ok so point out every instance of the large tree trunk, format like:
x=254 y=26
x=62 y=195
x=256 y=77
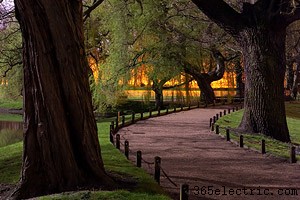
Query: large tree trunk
x=157 y=87
x=61 y=147
x=264 y=59
x=204 y=80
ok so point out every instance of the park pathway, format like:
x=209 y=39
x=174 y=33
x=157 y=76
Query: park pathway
x=212 y=167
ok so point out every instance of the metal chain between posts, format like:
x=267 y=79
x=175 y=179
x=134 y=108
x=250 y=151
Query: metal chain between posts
x=166 y=175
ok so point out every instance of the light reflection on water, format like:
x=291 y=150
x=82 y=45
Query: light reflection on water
x=174 y=94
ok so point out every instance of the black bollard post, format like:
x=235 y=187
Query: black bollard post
x=263 y=146
x=132 y=117
x=167 y=111
x=214 y=119
x=126 y=149
x=227 y=135
x=213 y=127
x=150 y=112
x=111 y=136
x=117 y=123
x=184 y=192
x=157 y=169
x=113 y=125
x=241 y=141
x=221 y=114
x=217 y=129
x=142 y=115
x=139 y=159
x=228 y=110
x=118 y=141
x=210 y=122
x=217 y=116
x=224 y=112
x=123 y=120
x=293 y=155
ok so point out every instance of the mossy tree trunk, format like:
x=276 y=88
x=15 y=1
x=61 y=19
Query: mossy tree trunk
x=61 y=147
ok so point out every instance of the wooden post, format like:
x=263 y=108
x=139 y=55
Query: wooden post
x=227 y=135
x=210 y=122
x=241 y=141
x=213 y=127
x=139 y=159
x=293 y=158
x=113 y=125
x=127 y=149
x=118 y=141
x=184 y=192
x=217 y=129
x=142 y=115
x=123 y=120
x=157 y=161
x=224 y=112
x=132 y=117
x=117 y=123
x=263 y=146
x=111 y=136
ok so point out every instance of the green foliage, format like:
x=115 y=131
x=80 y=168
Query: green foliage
x=10 y=62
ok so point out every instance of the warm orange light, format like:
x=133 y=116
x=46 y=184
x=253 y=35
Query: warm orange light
x=94 y=67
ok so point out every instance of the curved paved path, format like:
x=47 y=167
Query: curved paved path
x=192 y=154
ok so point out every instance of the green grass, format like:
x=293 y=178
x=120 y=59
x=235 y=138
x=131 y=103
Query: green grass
x=274 y=147
x=114 y=161
x=10 y=117
x=8 y=137
x=14 y=104
x=105 y=195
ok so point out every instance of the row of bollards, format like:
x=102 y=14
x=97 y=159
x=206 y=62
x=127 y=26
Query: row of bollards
x=293 y=158
x=216 y=129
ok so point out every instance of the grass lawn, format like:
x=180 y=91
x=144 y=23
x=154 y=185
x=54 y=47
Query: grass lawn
x=14 y=104
x=114 y=161
x=275 y=147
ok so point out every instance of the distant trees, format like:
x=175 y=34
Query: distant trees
x=10 y=54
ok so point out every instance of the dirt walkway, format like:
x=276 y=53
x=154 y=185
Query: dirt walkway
x=213 y=168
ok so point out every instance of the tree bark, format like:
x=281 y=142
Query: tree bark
x=260 y=28
x=61 y=147
x=157 y=87
x=264 y=59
